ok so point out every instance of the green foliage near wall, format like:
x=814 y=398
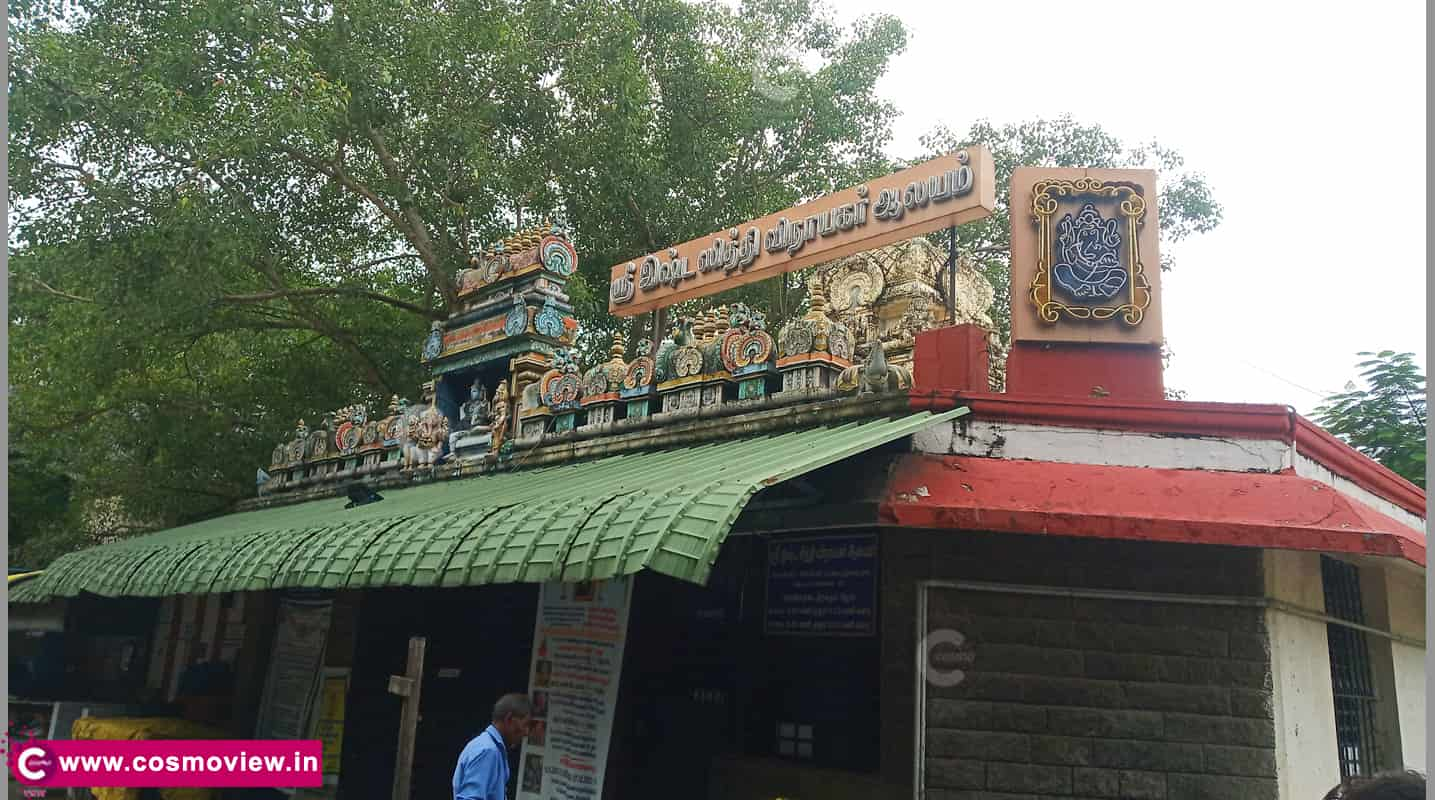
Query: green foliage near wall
x=1386 y=419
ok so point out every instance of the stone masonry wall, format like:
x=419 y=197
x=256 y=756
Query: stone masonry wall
x=1071 y=697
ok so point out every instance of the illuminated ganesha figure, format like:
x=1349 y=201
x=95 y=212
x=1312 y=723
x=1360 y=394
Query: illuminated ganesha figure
x=1088 y=255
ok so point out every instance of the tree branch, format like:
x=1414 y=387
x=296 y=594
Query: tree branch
x=337 y=173
x=50 y=290
x=320 y=291
x=405 y=219
x=384 y=260
x=68 y=423
x=642 y=220
x=416 y=229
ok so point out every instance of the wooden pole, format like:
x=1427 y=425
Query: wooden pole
x=660 y=318
x=952 y=275
x=408 y=686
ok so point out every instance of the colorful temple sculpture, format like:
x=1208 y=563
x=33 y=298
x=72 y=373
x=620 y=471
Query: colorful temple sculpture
x=551 y=404
x=603 y=386
x=721 y=356
x=347 y=444
x=639 y=388
x=813 y=350
x=505 y=371
x=515 y=317
x=426 y=431
x=892 y=293
x=473 y=430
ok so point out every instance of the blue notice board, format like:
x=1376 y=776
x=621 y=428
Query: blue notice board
x=822 y=586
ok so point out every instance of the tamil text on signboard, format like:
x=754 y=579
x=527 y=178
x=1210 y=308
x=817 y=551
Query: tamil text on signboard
x=945 y=191
x=577 y=658
x=822 y=587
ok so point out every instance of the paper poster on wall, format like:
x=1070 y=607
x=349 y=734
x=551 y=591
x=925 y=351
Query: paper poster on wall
x=328 y=724
x=299 y=638
x=578 y=640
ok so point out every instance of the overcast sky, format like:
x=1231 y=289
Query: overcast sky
x=1308 y=120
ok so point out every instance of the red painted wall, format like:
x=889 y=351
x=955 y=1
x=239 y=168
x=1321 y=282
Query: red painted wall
x=1060 y=369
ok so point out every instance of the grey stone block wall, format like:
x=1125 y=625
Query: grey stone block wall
x=1085 y=698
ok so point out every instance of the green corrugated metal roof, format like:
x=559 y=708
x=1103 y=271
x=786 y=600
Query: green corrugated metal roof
x=18 y=583
x=666 y=510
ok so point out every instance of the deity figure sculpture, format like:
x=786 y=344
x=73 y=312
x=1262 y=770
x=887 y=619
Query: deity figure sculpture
x=474 y=413
x=427 y=430
x=499 y=415
x=875 y=375
x=433 y=345
x=473 y=416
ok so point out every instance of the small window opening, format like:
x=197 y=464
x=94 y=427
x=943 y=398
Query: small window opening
x=1350 y=672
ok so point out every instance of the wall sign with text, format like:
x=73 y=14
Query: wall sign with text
x=822 y=586
x=946 y=191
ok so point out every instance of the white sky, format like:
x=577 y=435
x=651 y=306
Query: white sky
x=1308 y=120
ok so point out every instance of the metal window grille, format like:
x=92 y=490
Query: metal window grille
x=1350 y=672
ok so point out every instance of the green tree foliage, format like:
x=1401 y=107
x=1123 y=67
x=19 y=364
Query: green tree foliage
x=1386 y=419
x=1187 y=202
x=229 y=215
x=42 y=514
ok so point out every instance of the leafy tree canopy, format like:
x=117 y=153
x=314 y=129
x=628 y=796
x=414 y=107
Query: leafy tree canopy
x=229 y=215
x=1386 y=419
x=41 y=511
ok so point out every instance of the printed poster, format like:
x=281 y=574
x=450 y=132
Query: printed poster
x=289 y=690
x=328 y=724
x=578 y=642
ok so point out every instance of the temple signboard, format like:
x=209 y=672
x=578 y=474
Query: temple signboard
x=1084 y=260
x=946 y=191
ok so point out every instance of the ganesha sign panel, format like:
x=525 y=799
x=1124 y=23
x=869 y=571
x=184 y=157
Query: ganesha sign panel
x=945 y=191
x=1085 y=266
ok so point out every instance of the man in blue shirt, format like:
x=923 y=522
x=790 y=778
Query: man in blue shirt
x=482 y=771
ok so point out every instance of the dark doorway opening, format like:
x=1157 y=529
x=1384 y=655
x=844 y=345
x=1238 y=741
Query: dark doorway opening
x=479 y=642
x=705 y=689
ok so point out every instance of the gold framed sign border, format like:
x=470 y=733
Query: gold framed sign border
x=1133 y=208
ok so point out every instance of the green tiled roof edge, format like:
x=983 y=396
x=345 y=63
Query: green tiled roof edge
x=665 y=510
